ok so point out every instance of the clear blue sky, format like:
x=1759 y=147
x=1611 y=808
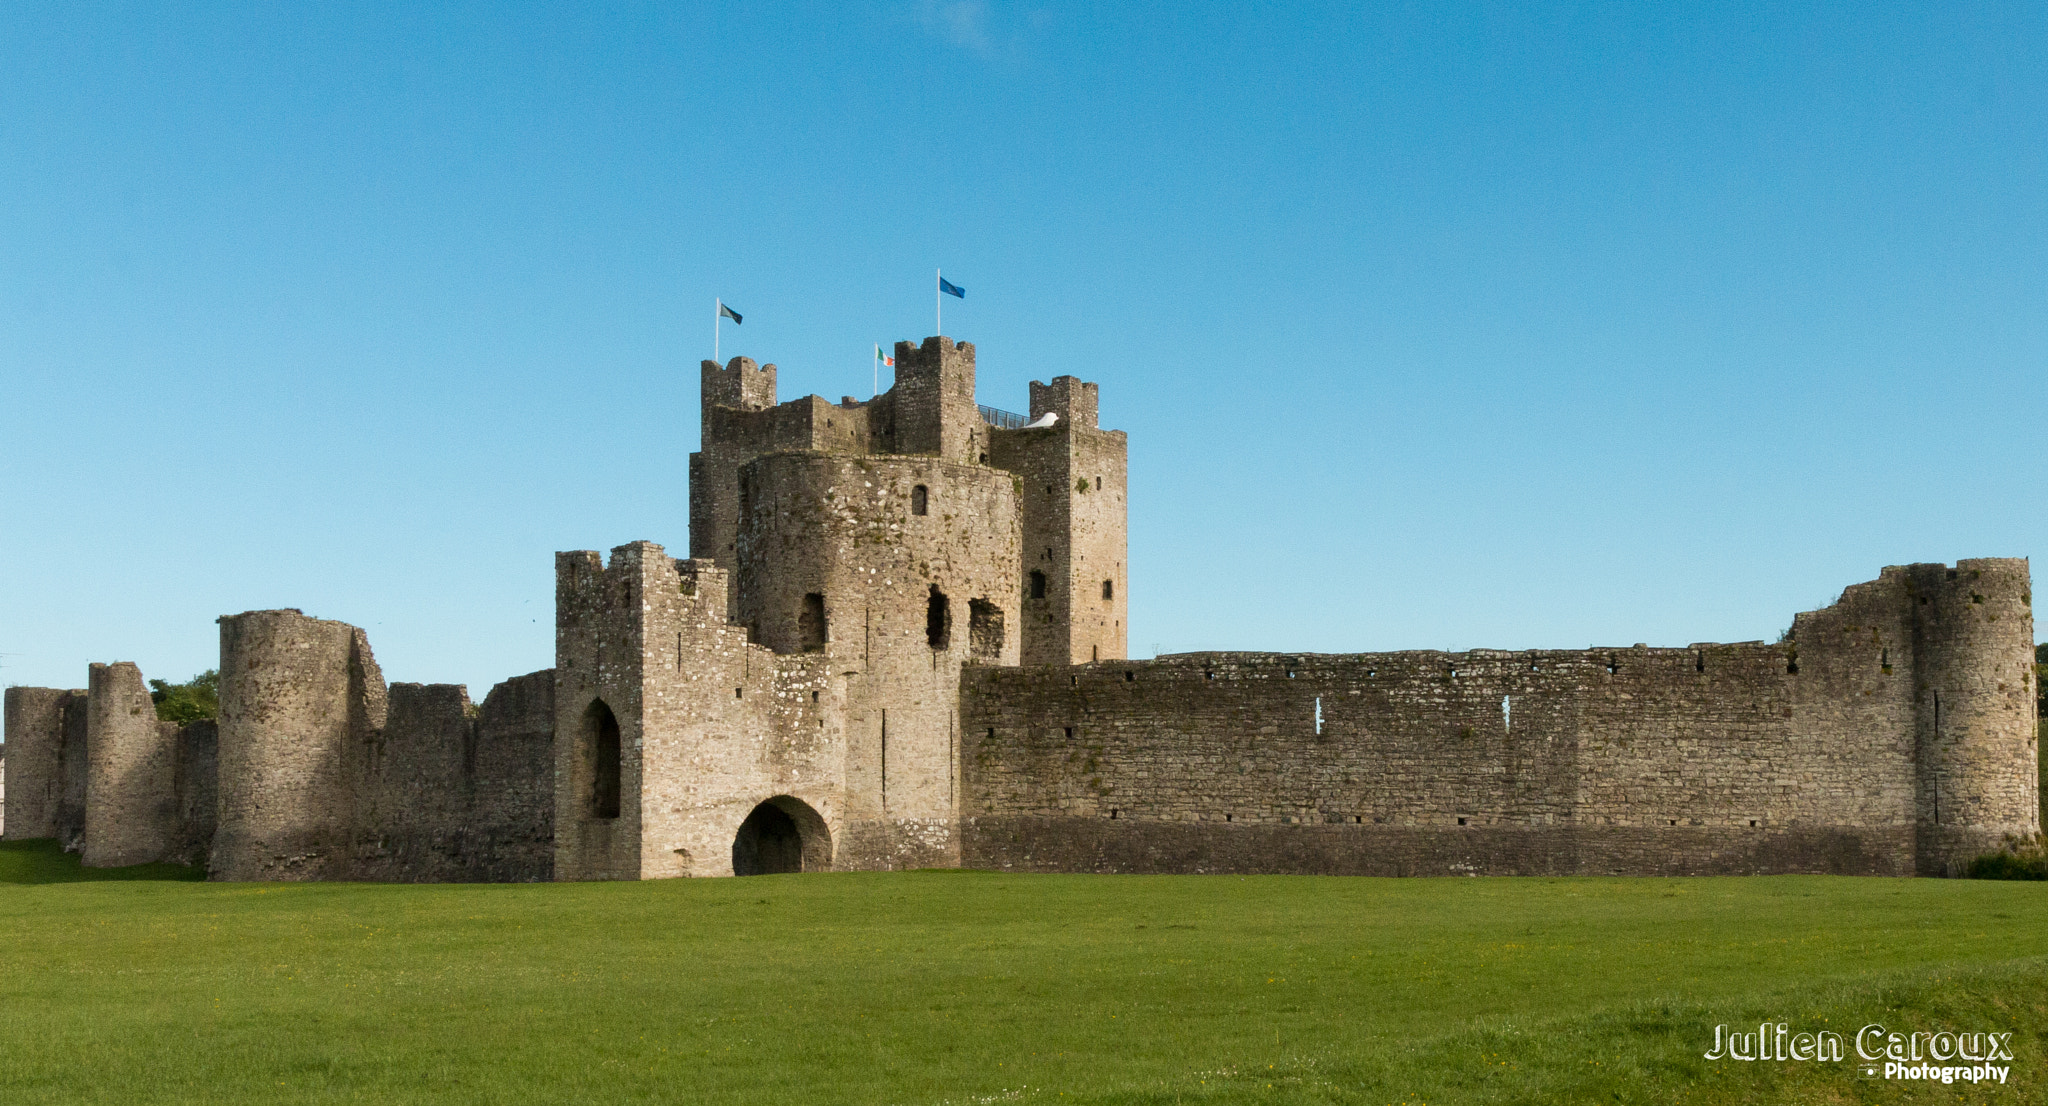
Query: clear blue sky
x=1432 y=325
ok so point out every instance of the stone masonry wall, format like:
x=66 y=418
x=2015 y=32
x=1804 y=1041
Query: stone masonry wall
x=512 y=813
x=1072 y=485
x=71 y=773
x=1715 y=758
x=455 y=793
x=301 y=702
x=35 y=743
x=412 y=788
x=198 y=790
x=908 y=598
x=131 y=788
x=1974 y=705
x=710 y=725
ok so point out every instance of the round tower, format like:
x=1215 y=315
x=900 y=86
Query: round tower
x=1974 y=740
x=298 y=697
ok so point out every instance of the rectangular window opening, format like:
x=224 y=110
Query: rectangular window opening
x=810 y=623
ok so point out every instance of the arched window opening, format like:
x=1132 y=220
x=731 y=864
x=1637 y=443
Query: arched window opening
x=601 y=729
x=938 y=620
x=810 y=623
x=920 y=500
x=1109 y=589
x=1037 y=584
x=746 y=498
x=984 y=630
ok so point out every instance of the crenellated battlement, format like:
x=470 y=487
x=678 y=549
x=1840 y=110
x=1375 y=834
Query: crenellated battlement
x=738 y=383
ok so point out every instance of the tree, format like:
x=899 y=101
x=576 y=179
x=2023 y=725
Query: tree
x=2040 y=670
x=196 y=698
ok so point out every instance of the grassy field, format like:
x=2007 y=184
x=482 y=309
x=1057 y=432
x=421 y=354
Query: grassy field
x=959 y=987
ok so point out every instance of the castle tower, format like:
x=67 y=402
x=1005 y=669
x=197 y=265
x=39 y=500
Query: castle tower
x=131 y=785
x=1975 y=740
x=672 y=730
x=1073 y=486
x=301 y=699
x=895 y=571
x=934 y=401
x=37 y=720
x=736 y=398
x=861 y=553
x=600 y=690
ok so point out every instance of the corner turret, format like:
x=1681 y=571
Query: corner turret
x=741 y=384
x=934 y=398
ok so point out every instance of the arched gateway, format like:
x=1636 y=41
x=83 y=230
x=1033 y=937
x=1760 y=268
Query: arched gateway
x=782 y=835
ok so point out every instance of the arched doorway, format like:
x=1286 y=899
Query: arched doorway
x=781 y=835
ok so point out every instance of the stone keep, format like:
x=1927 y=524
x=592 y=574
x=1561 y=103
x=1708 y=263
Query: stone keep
x=788 y=696
x=899 y=641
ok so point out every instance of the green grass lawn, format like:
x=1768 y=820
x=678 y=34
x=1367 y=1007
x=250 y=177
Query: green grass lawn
x=937 y=987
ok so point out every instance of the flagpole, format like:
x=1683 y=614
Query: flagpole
x=938 y=302
x=717 y=316
x=877 y=366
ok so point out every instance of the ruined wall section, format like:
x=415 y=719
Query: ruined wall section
x=131 y=783
x=414 y=788
x=198 y=792
x=35 y=748
x=906 y=600
x=1799 y=756
x=1975 y=733
x=301 y=703
x=512 y=813
x=710 y=724
x=1810 y=732
x=1073 y=487
x=72 y=762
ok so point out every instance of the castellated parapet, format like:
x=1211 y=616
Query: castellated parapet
x=899 y=641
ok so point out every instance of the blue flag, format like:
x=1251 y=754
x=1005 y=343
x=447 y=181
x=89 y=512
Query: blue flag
x=951 y=288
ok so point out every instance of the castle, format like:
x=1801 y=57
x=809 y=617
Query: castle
x=898 y=641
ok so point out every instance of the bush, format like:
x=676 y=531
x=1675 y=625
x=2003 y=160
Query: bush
x=2018 y=858
x=196 y=698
